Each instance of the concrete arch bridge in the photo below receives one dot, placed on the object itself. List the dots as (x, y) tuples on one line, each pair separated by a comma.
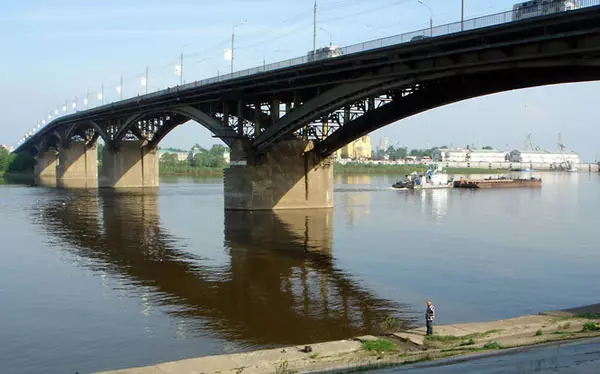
[(284, 123)]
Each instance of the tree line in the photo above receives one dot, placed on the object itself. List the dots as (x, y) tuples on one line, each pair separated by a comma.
[(401, 153), (201, 159), (15, 163)]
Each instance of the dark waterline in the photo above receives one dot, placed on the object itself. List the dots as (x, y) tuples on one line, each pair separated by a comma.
[(103, 280)]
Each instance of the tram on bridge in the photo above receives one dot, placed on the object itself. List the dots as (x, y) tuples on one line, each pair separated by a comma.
[(537, 8)]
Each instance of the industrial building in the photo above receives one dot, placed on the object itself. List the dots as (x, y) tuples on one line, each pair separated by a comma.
[(468, 155), (541, 157), (359, 149)]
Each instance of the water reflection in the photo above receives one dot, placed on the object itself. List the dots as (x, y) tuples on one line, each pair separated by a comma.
[(435, 202), (281, 285)]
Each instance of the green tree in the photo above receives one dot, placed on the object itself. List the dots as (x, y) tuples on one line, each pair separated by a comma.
[(379, 154), (415, 152), (401, 153), (218, 149), (487, 147), (5, 159), (21, 163)]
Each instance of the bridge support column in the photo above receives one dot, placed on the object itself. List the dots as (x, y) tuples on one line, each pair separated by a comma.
[(289, 176), (45, 167), (132, 165), (77, 166)]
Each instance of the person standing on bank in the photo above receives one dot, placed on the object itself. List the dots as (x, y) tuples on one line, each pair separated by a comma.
[(429, 317)]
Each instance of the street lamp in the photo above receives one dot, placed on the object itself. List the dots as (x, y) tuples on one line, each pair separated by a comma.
[(330, 37), (430, 17), (462, 15), (233, 42), (179, 69)]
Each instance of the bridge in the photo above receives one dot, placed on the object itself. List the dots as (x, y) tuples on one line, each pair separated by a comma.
[(284, 121)]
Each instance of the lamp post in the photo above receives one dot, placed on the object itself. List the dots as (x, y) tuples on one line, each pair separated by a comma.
[(330, 37), (430, 16), (233, 43), (181, 65), (462, 15), (315, 29)]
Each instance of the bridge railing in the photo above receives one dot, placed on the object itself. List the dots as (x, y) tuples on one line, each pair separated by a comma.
[(447, 29), (441, 30)]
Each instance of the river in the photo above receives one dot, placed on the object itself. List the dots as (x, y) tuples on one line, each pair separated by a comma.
[(103, 280)]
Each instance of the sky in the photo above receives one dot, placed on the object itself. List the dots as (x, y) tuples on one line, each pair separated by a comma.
[(56, 52)]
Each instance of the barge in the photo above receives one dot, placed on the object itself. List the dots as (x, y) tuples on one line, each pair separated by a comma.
[(498, 183)]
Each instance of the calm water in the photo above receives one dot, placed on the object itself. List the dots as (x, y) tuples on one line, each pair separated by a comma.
[(103, 280)]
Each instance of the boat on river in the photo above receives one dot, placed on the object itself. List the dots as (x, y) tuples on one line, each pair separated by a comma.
[(434, 178), (502, 182)]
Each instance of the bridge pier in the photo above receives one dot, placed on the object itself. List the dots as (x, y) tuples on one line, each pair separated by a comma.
[(45, 167), (132, 165), (77, 166), (288, 176)]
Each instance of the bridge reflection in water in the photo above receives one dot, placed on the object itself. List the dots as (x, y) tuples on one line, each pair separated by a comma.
[(281, 285)]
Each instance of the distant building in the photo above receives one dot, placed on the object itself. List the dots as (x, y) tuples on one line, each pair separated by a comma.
[(541, 157), (468, 155), (359, 149), (7, 147), (449, 155), (227, 156), (487, 155), (181, 156)]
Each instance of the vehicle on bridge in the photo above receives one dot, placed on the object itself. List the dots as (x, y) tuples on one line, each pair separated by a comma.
[(419, 37), (537, 8), (324, 53)]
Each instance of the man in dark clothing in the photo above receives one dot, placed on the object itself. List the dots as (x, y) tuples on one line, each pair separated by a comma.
[(429, 317)]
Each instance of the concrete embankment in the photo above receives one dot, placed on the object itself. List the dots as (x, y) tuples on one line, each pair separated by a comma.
[(398, 348)]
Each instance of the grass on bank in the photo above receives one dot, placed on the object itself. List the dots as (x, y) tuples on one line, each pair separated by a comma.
[(452, 338), (589, 316), (493, 345), (379, 345), (591, 327)]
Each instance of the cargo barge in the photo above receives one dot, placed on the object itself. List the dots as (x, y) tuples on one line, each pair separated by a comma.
[(498, 183)]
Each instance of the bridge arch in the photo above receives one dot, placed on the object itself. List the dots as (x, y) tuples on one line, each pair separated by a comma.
[(172, 118), (52, 140), (440, 90), (98, 132)]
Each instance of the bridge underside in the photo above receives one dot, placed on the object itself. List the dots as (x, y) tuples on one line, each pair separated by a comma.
[(284, 126)]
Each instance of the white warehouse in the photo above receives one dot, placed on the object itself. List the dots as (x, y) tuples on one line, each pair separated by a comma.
[(468, 155), (540, 157)]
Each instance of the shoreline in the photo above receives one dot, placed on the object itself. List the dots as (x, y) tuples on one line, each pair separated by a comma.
[(459, 341)]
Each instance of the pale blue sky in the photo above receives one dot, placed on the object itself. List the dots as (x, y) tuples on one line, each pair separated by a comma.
[(53, 51)]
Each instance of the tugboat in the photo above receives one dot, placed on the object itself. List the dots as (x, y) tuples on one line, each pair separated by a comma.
[(434, 178)]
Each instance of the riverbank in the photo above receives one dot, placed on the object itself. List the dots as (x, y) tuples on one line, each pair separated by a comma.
[(399, 348)]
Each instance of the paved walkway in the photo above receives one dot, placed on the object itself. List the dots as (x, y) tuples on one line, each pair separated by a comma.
[(264, 361)]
